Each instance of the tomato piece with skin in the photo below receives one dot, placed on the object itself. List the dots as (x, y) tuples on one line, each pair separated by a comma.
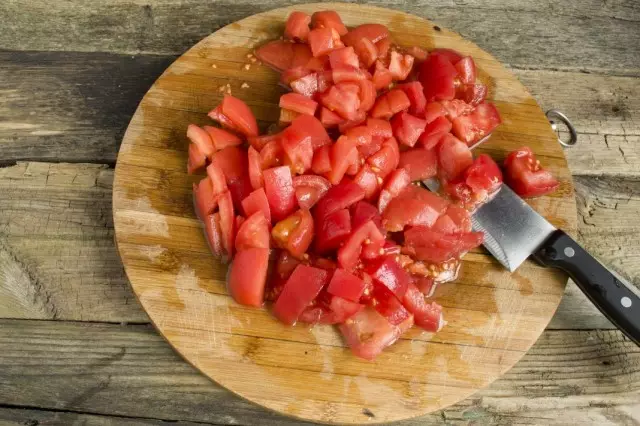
[(456, 220), (414, 206), (454, 156), (321, 162), (382, 77), (452, 55), (306, 85), (332, 230), (217, 115), (218, 180), (248, 275), (344, 56), (455, 108), (232, 161), (204, 198), (282, 55), (292, 74), (213, 231), (367, 234), (341, 156), (255, 168), (427, 316), (400, 65), (359, 118), (221, 138), (387, 304), (339, 197), (259, 142), (312, 127), (397, 181), (525, 175), (407, 128), (323, 41), (342, 100), (240, 115), (387, 272), (437, 76), (294, 233), (370, 148), (478, 182), (419, 163), (367, 179), (272, 154), (347, 73), (363, 212), (310, 189), (482, 121), (386, 159), (433, 110), (278, 185), (422, 243), (374, 32), (298, 103), (297, 26), (227, 222), (253, 233), (434, 131), (426, 285), (197, 160), (200, 138), (329, 118), (390, 103), (301, 288), (257, 202), (298, 149), (328, 19), (418, 52), (415, 93), (472, 94), (345, 285), (379, 128), (466, 68), (367, 51), (367, 95), (361, 135), (383, 47)]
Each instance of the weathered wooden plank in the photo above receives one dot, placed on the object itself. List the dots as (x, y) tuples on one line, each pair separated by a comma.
[(57, 256), (568, 377), (35, 417), (536, 34), (75, 107)]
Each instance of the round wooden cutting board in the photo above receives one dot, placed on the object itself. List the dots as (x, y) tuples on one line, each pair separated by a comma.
[(493, 316)]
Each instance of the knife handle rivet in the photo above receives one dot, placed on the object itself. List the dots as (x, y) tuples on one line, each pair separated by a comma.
[(626, 302), (569, 251)]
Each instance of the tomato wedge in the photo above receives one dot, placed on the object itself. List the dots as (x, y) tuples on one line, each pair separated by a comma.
[(362, 212), (367, 51), (257, 202), (415, 93), (253, 233), (204, 199), (438, 76), (407, 128), (197, 160), (255, 168), (278, 185), (420, 163), (478, 182), (472, 127), (454, 157), (414, 206), (525, 175), (374, 32), (387, 272), (367, 234), (227, 222), (247, 276), (294, 233), (310, 189), (434, 131), (282, 55), (367, 333), (427, 316), (240, 115), (390, 103), (301, 288), (338, 197), (213, 232), (328, 19), (346, 285), (323, 41), (201, 139), (424, 244), (297, 26), (221, 138), (397, 181), (342, 154), (332, 230)]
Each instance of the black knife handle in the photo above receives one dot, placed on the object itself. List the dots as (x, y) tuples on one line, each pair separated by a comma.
[(610, 294)]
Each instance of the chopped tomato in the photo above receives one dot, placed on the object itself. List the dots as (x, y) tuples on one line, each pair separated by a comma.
[(343, 99), (426, 285), (363, 212), (368, 181), (359, 118), (204, 199), (473, 94), (422, 243), (415, 93), (374, 32), (420, 163), (367, 234), (254, 233), (240, 115), (329, 118), (390, 103), (201, 139), (407, 128), (418, 52), (382, 77), (197, 160), (367, 51), (214, 234), (332, 230), (301, 288), (247, 276), (278, 186), (387, 304), (455, 108), (400, 65), (339, 197), (283, 55), (387, 272), (355, 163), (321, 162), (221, 138), (272, 154), (434, 131), (345, 285), (297, 26), (298, 150), (386, 159), (306, 85), (367, 333), (328, 19), (347, 73), (257, 202), (383, 47), (367, 95), (293, 74), (312, 127), (370, 148), (341, 156), (217, 115), (298, 103), (427, 316), (466, 68), (433, 110), (255, 168), (478, 182), (218, 180), (414, 206), (258, 142), (456, 220), (397, 181), (227, 222), (437, 76), (344, 56), (454, 157), (294, 233), (310, 189), (452, 55), (478, 124), (525, 175), (360, 135), (379, 128), (285, 264), (323, 41), (232, 161)]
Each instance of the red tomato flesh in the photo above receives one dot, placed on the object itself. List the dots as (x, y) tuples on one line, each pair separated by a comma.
[(407, 128), (253, 233), (282, 55), (424, 244), (374, 32), (328, 19), (214, 234), (332, 230), (201, 139), (367, 333), (247, 276), (472, 127), (278, 185), (437, 76), (420, 163), (415, 93), (294, 233), (454, 157), (339, 197), (255, 168), (414, 206), (257, 202), (309, 189), (197, 160), (323, 41), (390, 274), (427, 316), (346, 285), (297, 26), (362, 212), (397, 181), (240, 115), (434, 132), (221, 138), (525, 175), (298, 103), (301, 288)]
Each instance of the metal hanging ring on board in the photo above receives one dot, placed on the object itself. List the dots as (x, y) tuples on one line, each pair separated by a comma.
[(554, 115)]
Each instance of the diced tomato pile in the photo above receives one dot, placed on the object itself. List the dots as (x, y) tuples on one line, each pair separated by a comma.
[(321, 218)]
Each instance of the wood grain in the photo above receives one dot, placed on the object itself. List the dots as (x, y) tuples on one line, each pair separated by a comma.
[(89, 370), (307, 373)]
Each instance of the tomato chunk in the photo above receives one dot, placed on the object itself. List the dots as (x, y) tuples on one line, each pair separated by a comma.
[(456, 220), (427, 316), (407, 128), (424, 244), (323, 41), (301, 288), (201, 139), (278, 186), (255, 168), (197, 160), (363, 212), (339, 197), (306, 85), (221, 138), (204, 198), (253, 233), (257, 202), (367, 51), (437, 76), (321, 162), (454, 157), (227, 222), (414, 206), (240, 114), (390, 103), (298, 149), (369, 181), (400, 65), (525, 175), (259, 142), (342, 154), (309, 189), (282, 55), (294, 233), (434, 131), (419, 163), (472, 127), (344, 56), (343, 99), (374, 32), (297, 26), (213, 232), (272, 154), (389, 273), (346, 285), (298, 103), (472, 94), (386, 159), (368, 333), (382, 77), (247, 276), (415, 93), (328, 19), (329, 118), (367, 234), (379, 128), (478, 182), (466, 68), (397, 181), (452, 55), (332, 230)]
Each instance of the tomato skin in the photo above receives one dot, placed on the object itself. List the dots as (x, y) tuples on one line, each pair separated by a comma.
[(221, 138), (407, 128), (297, 26), (400, 65), (437, 76), (214, 234), (525, 176), (298, 103), (272, 154), (345, 285), (427, 316), (482, 121), (227, 222), (301, 288), (282, 55), (362, 212), (367, 333), (454, 157), (350, 252), (298, 150), (201, 139), (278, 185), (434, 131), (197, 160), (257, 201), (253, 233), (240, 115), (318, 186), (342, 153), (379, 128), (466, 68), (321, 162), (414, 206), (255, 168), (423, 243), (328, 19), (332, 230), (368, 181), (390, 103), (344, 56), (295, 233), (247, 276), (397, 181), (204, 199), (388, 273), (415, 93), (420, 163), (367, 51), (323, 41)]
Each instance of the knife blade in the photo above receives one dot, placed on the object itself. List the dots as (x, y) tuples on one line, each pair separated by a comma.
[(513, 231)]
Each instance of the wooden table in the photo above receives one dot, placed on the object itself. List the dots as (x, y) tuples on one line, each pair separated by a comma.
[(75, 346)]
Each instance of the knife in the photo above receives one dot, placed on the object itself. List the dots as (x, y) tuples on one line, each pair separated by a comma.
[(513, 232)]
